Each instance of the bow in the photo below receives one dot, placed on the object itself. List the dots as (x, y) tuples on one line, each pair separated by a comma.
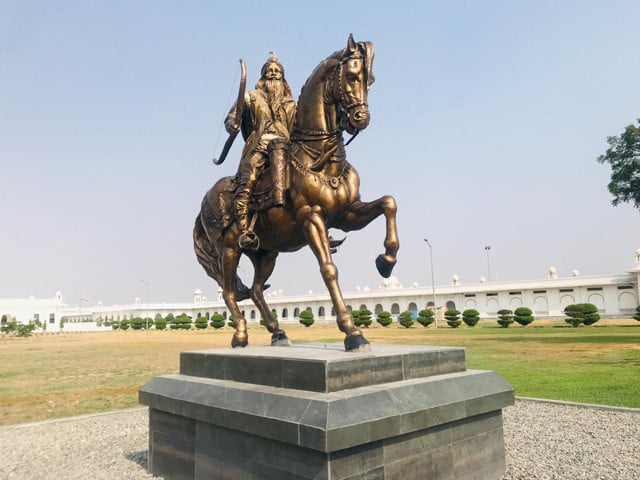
[(238, 119)]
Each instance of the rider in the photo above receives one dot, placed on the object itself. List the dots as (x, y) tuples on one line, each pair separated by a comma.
[(268, 113)]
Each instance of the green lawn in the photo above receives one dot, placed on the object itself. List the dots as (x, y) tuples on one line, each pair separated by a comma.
[(51, 376)]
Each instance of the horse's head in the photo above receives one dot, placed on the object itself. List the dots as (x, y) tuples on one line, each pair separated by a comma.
[(350, 83)]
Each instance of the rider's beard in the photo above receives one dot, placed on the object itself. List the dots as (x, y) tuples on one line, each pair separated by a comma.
[(275, 94)]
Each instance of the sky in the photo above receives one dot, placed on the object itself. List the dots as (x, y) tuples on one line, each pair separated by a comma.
[(487, 118)]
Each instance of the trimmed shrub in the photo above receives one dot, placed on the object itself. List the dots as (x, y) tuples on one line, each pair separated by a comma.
[(523, 316), (406, 319), (201, 323), (365, 318), (124, 324), (384, 318), (170, 318), (637, 315), (505, 317), (355, 314), (425, 317), (452, 316), (115, 325), (137, 323), (471, 317), (217, 321), (182, 322), (306, 318), (579, 313), (160, 323)]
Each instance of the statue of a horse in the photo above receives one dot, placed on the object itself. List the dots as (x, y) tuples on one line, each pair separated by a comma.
[(323, 193)]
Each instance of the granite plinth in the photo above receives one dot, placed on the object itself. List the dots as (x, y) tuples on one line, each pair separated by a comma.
[(317, 412)]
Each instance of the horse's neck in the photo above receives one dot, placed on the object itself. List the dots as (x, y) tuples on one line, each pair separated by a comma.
[(315, 113)]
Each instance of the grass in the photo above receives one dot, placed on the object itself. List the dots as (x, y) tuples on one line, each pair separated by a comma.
[(50, 376)]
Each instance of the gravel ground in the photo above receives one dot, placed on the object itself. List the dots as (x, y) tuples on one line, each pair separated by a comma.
[(543, 441)]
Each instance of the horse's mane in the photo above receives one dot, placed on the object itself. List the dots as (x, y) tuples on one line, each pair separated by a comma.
[(325, 66)]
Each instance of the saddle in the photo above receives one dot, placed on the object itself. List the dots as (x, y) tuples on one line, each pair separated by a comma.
[(223, 216)]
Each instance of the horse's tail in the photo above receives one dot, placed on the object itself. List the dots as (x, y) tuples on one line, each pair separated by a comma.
[(210, 260)]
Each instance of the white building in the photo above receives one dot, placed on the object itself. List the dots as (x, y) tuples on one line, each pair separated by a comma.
[(614, 295)]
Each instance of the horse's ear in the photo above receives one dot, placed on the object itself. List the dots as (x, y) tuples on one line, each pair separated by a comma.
[(351, 44)]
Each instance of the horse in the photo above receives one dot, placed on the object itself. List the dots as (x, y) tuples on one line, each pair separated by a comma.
[(323, 193)]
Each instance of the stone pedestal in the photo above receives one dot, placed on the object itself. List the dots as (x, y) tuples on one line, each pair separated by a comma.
[(317, 412)]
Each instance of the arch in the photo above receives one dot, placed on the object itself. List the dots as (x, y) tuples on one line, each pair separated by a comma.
[(253, 314), (363, 307), (378, 309), (412, 307), (470, 303), (321, 311), (4, 319), (430, 305), (350, 308), (566, 300), (598, 300), (207, 316), (540, 306), (395, 309), (492, 306), (285, 313), (451, 305), (296, 312), (224, 314), (627, 302), (333, 311), (515, 302)]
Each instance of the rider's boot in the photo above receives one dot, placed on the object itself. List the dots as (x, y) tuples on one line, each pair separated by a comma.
[(248, 239), (277, 155)]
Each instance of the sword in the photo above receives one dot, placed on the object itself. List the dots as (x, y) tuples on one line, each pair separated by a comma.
[(238, 119)]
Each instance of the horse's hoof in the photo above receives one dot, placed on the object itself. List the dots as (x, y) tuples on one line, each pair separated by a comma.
[(280, 339), (385, 264), (356, 343), (240, 340)]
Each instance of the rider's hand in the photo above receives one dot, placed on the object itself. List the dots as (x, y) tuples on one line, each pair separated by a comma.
[(232, 127)]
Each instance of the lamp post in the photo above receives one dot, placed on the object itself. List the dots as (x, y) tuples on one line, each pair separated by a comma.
[(487, 248), (433, 282), (146, 317)]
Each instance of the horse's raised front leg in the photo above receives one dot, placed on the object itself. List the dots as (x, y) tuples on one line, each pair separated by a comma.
[(263, 265), (230, 259), (316, 234), (360, 214)]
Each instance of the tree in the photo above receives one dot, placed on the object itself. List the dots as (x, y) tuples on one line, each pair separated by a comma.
[(523, 316), (425, 317), (124, 324), (471, 317), (452, 316), (623, 155), (160, 323), (182, 321), (406, 319), (217, 321), (306, 318), (384, 318), (355, 314), (505, 317)]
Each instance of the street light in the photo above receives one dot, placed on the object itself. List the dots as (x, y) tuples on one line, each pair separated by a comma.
[(433, 282), (487, 248), (146, 317)]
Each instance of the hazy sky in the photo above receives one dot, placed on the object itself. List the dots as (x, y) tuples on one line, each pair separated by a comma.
[(487, 118)]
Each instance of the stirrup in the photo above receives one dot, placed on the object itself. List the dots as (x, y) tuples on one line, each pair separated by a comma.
[(249, 241)]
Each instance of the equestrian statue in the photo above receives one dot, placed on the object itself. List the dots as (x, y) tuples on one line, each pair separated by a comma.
[(293, 184)]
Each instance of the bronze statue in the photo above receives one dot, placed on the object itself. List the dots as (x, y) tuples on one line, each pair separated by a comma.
[(321, 193)]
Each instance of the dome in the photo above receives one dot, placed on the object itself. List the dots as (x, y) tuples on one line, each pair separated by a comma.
[(197, 292)]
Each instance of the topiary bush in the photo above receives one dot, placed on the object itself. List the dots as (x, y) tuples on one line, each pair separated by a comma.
[(579, 313), (523, 316), (471, 317), (406, 319), (201, 323), (365, 318), (160, 323), (505, 317), (384, 318), (306, 318), (425, 317), (637, 315), (181, 322), (137, 323), (124, 324), (217, 321), (452, 316), (355, 314)]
